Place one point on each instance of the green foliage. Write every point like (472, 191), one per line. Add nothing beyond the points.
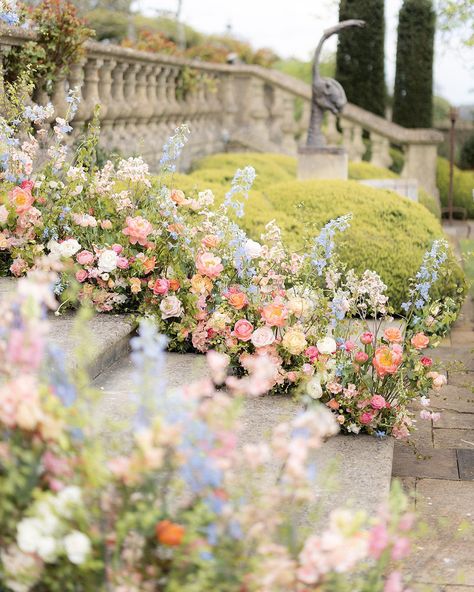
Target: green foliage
(441, 109)
(466, 159)
(303, 70)
(360, 62)
(398, 160)
(413, 94)
(108, 24)
(388, 233)
(457, 16)
(467, 250)
(366, 170)
(463, 184)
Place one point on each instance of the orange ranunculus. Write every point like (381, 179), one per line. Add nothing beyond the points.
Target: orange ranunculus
(387, 360)
(275, 315)
(174, 285)
(170, 534)
(420, 341)
(237, 299)
(393, 334)
(149, 264)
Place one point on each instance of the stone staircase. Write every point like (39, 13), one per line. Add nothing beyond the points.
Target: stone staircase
(359, 467)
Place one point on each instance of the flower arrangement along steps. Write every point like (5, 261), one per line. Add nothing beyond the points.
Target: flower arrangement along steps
(361, 465)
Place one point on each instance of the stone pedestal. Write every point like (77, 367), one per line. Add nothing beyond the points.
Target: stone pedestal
(330, 162)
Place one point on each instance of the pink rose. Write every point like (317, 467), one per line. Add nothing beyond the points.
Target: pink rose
(21, 199)
(377, 402)
(312, 353)
(292, 376)
(117, 248)
(366, 418)
(361, 357)
(243, 330)
(81, 275)
(209, 265)
(18, 267)
(137, 230)
(85, 258)
(161, 286)
(122, 263)
(420, 341)
(367, 338)
(262, 337)
(426, 361)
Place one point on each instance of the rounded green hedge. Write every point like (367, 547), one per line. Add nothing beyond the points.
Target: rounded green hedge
(463, 186)
(388, 233)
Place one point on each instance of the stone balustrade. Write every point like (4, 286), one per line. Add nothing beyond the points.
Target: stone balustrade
(144, 96)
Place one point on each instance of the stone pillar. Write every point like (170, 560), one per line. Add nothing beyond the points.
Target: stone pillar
(353, 141)
(90, 89)
(420, 164)
(330, 162)
(331, 132)
(380, 151)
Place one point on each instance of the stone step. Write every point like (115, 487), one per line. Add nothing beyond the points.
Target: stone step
(362, 465)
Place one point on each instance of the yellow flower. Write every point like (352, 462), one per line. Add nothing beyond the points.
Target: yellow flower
(294, 341)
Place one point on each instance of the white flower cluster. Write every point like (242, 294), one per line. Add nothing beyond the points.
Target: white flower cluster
(367, 292)
(135, 170)
(48, 534)
(66, 248)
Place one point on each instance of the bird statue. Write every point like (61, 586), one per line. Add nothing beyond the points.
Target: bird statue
(327, 93)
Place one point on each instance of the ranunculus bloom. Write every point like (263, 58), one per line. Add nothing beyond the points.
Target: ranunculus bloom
(169, 533)
(393, 334)
(21, 199)
(81, 275)
(420, 340)
(274, 314)
(137, 230)
(387, 360)
(161, 286)
(85, 257)
(361, 357)
(243, 330)
(367, 338)
(262, 337)
(426, 361)
(349, 345)
(117, 248)
(312, 353)
(209, 264)
(377, 402)
(366, 418)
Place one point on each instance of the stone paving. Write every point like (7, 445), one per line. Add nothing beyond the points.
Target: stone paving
(438, 470)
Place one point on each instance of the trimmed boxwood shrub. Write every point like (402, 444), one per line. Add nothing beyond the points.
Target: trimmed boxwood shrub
(463, 185)
(388, 233)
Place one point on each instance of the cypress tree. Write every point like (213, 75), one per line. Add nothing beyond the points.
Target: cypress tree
(360, 63)
(413, 94)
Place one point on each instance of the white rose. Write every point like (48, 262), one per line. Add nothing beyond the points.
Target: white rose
(327, 345)
(66, 499)
(54, 247)
(28, 534)
(171, 307)
(47, 549)
(262, 337)
(253, 249)
(314, 388)
(107, 261)
(77, 546)
(69, 247)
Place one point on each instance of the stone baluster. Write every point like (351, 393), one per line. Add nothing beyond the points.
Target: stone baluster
(76, 82)
(288, 125)
(258, 112)
(172, 106)
(332, 134)
(106, 80)
(352, 140)
(420, 164)
(380, 150)
(90, 89)
(227, 98)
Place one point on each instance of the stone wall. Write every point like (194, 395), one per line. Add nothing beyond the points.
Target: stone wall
(228, 107)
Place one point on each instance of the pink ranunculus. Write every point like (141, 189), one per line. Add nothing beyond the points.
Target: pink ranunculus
(117, 248)
(161, 287)
(366, 418)
(137, 230)
(426, 361)
(361, 357)
(27, 184)
(243, 330)
(349, 345)
(122, 263)
(378, 402)
(366, 338)
(81, 275)
(312, 353)
(209, 264)
(85, 257)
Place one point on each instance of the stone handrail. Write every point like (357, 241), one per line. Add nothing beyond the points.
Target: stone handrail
(229, 107)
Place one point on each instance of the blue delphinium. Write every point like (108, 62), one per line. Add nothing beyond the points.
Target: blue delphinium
(173, 147)
(324, 243)
(9, 14)
(241, 184)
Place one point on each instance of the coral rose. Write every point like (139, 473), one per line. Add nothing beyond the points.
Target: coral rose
(169, 533)
(393, 334)
(137, 230)
(236, 298)
(209, 265)
(161, 286)
(275, 315)
(420, 341)
(21, 199)
(243, 330)
(387, 360)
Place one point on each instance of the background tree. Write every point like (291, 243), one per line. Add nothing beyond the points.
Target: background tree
(413, 94)
(360, 62)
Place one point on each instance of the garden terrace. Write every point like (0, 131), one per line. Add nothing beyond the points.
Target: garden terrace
(143, 96)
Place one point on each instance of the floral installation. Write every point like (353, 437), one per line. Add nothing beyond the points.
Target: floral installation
(135, 243)
(169, 509)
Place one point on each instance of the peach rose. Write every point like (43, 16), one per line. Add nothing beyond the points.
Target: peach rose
(21, 199)
(169, 534)
(243, 330)
(420, 341)
(149, 264)
(210, 241)
(262, 337)
(137, 230)
(237, 299)
(178, 197)
(209, 265)
(135, 285)
(393, 334)
(275, 315)
(85, 257)
(387, 360)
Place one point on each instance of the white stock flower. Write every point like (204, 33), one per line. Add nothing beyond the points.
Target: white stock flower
(77, 546)
(107, 261)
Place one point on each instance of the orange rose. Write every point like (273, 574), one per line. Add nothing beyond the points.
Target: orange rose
(170, 534)
(174, 285)
(420, 341)
(176, 228)
(275, 315)
(333, 404)
(178, 196)
(149, 264)
(210, 241)
(200, 284)
(393, 334)
(237, 299)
